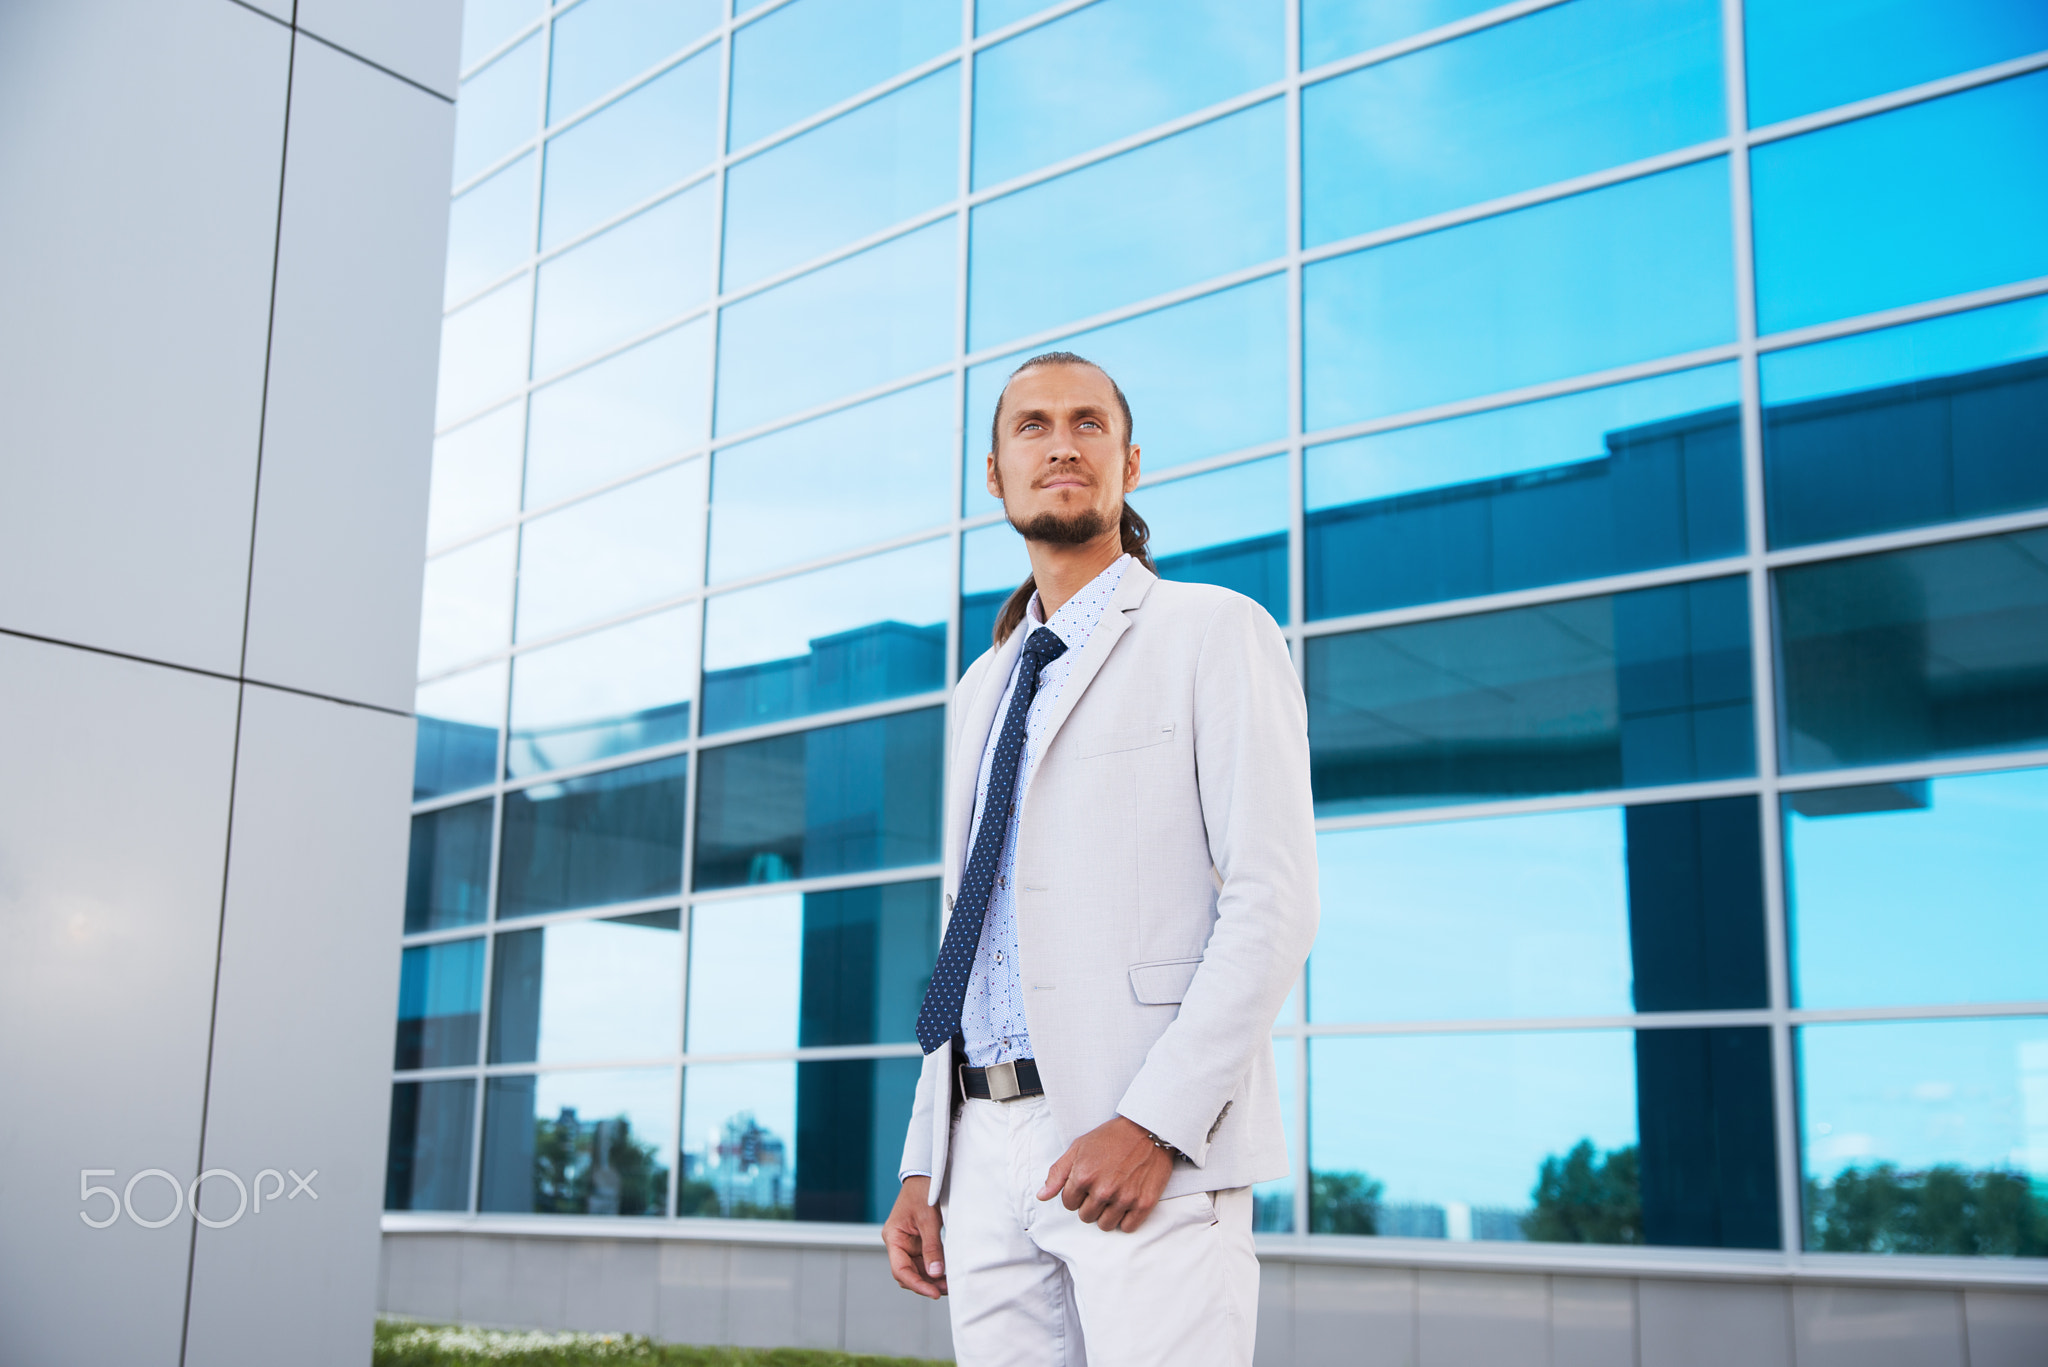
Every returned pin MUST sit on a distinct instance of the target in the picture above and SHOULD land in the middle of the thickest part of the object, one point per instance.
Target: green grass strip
(404, 1343)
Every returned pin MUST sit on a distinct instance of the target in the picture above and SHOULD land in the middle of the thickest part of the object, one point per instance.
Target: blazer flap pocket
(1163, 983)
(1125, 738)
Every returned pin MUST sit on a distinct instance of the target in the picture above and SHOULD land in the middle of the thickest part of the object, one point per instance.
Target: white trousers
(1031, 1285)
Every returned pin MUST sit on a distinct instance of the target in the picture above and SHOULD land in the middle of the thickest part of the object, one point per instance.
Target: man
(1130, 876)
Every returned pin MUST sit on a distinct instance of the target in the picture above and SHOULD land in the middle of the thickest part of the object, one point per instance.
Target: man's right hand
(912, 1235)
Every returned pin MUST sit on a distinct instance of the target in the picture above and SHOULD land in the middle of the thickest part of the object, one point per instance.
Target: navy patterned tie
(939, 1019)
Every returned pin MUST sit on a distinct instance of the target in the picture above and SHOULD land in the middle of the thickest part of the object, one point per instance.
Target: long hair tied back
(1135, 535)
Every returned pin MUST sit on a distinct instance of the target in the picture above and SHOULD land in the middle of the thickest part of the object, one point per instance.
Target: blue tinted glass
(487, 23)
(1273, 1201)
(1926, 1137)
(625, 280)
(1203, 378)
(456, 745)
(1227, 528)
(623, 414)
(614, 691)
(1168, 214)
(426, 1165)
(1600, 279)
(993, 563)
(632, 150)
(632, 547)
(440, 1004)
(448, 871)
(745, 1125)
(587, 1142)
(476, 476)
(841, 799)
(490, 230)
(1894, 890)
(1805, 55)
(817, 969)
(466, 603)
(483, 350)
(1599, 1137)
(838, 637)
(1337, 28)
(1940, 650)
(885, 162)
(1619, 691)
(1922, 202)
(1628, 477)
(1589, 913)
(858, 476)
(990, 15)
(584, 990)
(592, 841)
(847, 327)
(601, 43)
(1556, 94)
(812, 54)
(497, 109)
(1112, 69)
(1909, 425)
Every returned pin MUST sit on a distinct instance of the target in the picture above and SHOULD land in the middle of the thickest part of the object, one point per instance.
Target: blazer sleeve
(1252, 771)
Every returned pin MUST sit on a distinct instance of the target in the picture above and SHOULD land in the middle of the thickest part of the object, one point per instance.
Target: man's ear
(995, 476)
(1131, 469)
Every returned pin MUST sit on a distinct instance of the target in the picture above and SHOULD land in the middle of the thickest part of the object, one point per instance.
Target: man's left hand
(1113, 1175)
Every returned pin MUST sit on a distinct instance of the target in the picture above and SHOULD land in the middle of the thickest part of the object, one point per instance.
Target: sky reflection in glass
(631, 150)
(623, 414)
(601, 43)
(487, 23)
(1228, 528)
(1555, 94)
(466, 603)
(588, 990)
(1337, 28)
(456, 744)
(812, 54)
(739, 1140)
(993, 562)
(625, 280)
(627, 548)
(476, 476)
(746, 968)
(497, 109)
(490, 230)
(625, 688)
(483, 350)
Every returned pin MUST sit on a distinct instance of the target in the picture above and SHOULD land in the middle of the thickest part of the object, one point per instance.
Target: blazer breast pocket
(1123, 739)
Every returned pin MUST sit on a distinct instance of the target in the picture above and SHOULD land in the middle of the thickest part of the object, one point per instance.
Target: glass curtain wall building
(1634, 411)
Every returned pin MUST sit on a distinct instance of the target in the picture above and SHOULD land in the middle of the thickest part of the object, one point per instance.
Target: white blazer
(1166, 879)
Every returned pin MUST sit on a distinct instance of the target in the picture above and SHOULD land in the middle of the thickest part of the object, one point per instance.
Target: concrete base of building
(1319, 1304)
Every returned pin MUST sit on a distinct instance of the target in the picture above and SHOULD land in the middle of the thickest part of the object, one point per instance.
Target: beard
(1071, 529)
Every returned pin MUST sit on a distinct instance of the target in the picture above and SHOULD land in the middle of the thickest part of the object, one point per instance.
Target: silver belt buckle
(1001, 1079)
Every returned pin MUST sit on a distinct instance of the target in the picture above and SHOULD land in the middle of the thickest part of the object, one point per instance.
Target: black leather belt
(1002, 1081)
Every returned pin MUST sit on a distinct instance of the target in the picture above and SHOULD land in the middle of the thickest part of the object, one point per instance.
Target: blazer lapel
(1137, 582)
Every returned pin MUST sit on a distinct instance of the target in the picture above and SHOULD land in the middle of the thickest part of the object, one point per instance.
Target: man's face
(1061, 467)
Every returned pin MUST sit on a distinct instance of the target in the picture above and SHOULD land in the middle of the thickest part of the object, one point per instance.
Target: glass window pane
(487, 23)
(1273, 1201)
(579, 1143)
(456, 745)
(1940, 650)
(490, 230)
(626, 688)
(448, 871)
(1559, 93)
(1112, 69)
(1628, 477)
(1907, 426)
(1894, 891)
(886, 161)
(636, 148)
(587, 990)
(993, 562)
(810, 55)
(839, 637)
(1600, 279)
(623, 414)
(990, 15)
(1153, 219)
(1587, 913)
(601, 43)
(853, 325)
(1596, 1137)
(595, 840)
(1337, 28)
(466, 603)
(1619, 691)
(426, 1164)
(624, 549)
(841, 799)
(476, 475)
(1203, 377)
(746, 973)
(861, 475)
(1919, 203)
(1805, 55)
(483, 350)
(440, 1004)
(625, 280)
(744, 1125)
(1227, 528)
(497, 109)
(1927, 1137)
